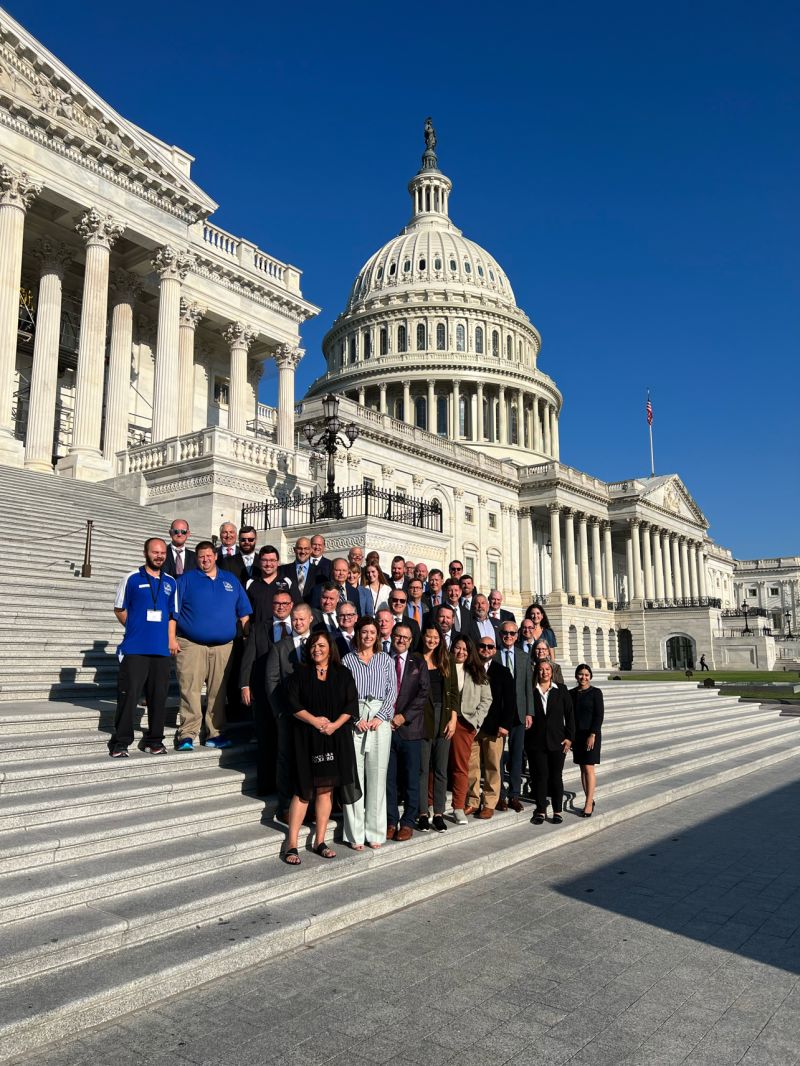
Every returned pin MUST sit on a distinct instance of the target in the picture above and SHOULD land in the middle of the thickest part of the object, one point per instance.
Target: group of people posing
(381, 692)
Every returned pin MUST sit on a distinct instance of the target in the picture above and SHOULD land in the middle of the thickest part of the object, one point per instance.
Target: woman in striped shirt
(376, 684)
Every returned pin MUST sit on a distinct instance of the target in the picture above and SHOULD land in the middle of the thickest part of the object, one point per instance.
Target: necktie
(287, 629)
(331, 622)
(178, 564)
(398, 665)
(510, 661)
(386, 646)
(301, 577)
(342, 594)
(229, 552)
(416, 615)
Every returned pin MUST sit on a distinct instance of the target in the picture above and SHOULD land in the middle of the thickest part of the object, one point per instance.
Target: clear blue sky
(634, 168)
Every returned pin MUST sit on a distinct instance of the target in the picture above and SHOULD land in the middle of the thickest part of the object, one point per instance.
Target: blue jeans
(404, 760)
(511, 765)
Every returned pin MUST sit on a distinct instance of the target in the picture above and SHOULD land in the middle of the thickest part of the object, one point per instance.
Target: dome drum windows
(402, 339)
(467, 267)
(479, 340)
(422, 339)
(383, 341)
(495, 342)
(367, 342)
(441, 337)
(406, 266)
(461, 338)
(437, 263)
(392, 269)
(453, 265)
(352, 349)
(421, 265)
(509, 347)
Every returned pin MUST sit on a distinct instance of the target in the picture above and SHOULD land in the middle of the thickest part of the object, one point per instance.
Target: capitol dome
(432, 336)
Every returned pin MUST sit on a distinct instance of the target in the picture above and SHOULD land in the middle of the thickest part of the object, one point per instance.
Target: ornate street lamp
(745, 609)
(329, 439)
(788, 616)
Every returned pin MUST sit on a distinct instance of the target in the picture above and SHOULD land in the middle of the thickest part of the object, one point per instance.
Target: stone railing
(248, 255)
(431, 357)
(785, 562)
(206, 443)
(539, 471)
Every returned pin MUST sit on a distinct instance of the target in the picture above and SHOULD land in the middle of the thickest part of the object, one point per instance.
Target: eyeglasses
(486, 647)
(179, 532)
(400, 638)
(508, 633)
(456, 569)
(247, 540)
(343, 615)
(397, 599)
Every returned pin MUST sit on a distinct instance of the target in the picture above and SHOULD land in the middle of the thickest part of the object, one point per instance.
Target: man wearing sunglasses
(398, 605)
(518, 663)
(492, 734)
(179, 557)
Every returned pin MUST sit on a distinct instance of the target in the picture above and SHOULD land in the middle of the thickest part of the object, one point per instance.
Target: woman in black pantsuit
(587, 703)
(549, 734)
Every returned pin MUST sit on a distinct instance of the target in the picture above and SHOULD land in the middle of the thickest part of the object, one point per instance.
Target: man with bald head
(300, 572)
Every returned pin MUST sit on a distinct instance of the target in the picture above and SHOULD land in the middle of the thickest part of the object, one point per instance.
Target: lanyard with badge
(154, 615)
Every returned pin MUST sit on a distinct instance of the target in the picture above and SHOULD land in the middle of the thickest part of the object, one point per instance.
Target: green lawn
(716, 675)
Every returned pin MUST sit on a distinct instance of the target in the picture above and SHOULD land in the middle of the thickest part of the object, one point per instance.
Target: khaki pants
(489, 749)
(196, 665)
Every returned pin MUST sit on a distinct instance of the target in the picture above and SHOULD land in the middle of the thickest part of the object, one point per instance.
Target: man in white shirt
(468, 592)
(385, 622)
(346, 617)
(496, 612)
(485, 625)
(179, 557)
(421, 572)
(398, 573)
(328, 602)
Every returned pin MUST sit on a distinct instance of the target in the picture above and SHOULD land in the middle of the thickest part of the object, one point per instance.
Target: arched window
(453, 265)
(401, 338)
(441, 416)
(406, 266)
(422, 264)
(437, 263)
(421, 412)
(440, 337)
(467, 266)
(479, 340)
(495, 342)
(384, 341)
(421, 340)
(352, 349)
(367, 345)
(461, 338)
(509, 347)
(380, 273)
(392, 270)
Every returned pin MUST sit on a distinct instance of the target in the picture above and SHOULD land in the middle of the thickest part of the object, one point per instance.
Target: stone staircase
(57, 630)
(123, 883)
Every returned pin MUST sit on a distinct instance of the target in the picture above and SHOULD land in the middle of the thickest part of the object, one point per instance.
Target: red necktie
(398, 665)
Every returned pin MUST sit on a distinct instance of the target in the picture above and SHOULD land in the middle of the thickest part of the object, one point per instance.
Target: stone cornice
(278, 301)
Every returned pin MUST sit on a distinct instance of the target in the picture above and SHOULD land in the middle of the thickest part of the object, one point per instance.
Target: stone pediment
(670, 494)
(43, 99)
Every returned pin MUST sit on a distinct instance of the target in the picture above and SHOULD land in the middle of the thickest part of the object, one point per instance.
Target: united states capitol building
(134, 332)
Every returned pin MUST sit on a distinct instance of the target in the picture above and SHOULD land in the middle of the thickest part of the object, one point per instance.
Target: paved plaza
(670, 938)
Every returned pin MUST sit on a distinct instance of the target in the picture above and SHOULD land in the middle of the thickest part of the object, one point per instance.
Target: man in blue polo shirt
(208, 604)
(143, 604)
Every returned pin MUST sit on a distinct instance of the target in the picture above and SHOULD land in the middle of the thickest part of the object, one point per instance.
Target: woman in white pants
(376, 684)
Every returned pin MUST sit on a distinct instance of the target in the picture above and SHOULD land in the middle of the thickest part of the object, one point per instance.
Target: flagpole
(649, 410)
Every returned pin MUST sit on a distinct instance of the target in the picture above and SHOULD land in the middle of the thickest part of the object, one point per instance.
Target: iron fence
(359, 501)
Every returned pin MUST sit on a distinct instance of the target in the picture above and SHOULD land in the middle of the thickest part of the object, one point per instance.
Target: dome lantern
(429, 188)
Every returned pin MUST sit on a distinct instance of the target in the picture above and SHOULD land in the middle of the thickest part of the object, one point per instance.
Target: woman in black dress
(588, 704)
(441, 712)
(549, 733)
(322, 696)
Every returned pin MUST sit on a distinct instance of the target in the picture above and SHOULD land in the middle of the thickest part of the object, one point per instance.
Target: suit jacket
(235, 564)
(343, 646)
(257, 646)
(321, 569)
(316, 594)
(415, 630)
(502, 713)
(505, 616)
(551, 728)
(189, 561)
(282, 662)
(412, 697)
(423, 613)
(467, 627)
(523, 682)
(313, 578)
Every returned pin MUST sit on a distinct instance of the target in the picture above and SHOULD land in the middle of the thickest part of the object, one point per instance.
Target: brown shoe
(391, 832)
(485, 813)
(515, 805)
(501, 805)
(404, 832)
(469, 810)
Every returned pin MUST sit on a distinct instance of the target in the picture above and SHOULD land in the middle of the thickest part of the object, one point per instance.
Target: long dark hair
(333, 651)
(545, 619)
(473, 666)
(440, 655)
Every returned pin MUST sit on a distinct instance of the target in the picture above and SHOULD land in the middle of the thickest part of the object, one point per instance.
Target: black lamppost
(745, 609)
(788, 617)
(329, 440)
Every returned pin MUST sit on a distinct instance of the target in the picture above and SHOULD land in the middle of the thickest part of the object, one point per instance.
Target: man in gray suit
(282, 662)
(510, 655)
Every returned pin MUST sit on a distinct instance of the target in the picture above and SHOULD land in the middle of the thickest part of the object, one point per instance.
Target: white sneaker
(459, 817)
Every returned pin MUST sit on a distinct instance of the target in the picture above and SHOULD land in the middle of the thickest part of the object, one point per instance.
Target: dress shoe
(405, 832)
(439, 823)
(391, 832)
(469, 810)
(515, 805)
(423, 823)
(557, 819)
(501, 805)
(485, 813)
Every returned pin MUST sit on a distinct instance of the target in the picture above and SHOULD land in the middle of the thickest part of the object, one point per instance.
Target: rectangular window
(221, 391)
(469, 514)
(470, 565)
(774, 591)
(492, 520)
(752, 592)
(493, 582)
(369, 484)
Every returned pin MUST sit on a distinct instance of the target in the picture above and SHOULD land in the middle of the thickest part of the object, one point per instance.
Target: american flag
(649, 410)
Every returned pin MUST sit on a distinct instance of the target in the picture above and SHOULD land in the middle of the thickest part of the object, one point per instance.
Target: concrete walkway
(672, 937)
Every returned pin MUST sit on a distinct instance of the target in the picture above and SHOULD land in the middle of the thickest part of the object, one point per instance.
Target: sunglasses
(179, 532)
(486, 647)
(507, 633)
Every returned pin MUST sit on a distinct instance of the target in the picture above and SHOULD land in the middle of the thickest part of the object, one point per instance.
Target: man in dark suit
(468, 593)
(328, 602)
(346, 616)
(321, 565)
(301, 571)
(179, 557)
(407, 728)
(417, 606)
(398, 603)
(443, 616)
(282, 661)
(435, 584)
(344, 590)
(463, 620)
(496, 612)
(492, 734)
(485, 625)
(397, 573)
(518, 663)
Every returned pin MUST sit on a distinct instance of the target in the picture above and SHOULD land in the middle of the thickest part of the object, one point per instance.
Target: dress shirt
(375, 680)
(348, 637)
(466, 603)
(248, 560)
(485, 628)
(544, 695)
(299, 642)
(507, 656)
(228, 551)
(280, 630)
(412, 608)
(330, 622)
(386, 645)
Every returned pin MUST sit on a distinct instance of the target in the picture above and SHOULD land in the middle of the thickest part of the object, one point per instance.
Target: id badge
(154, 616)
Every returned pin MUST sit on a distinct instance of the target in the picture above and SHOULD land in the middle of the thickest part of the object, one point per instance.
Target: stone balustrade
(212, 441)
(245, 253)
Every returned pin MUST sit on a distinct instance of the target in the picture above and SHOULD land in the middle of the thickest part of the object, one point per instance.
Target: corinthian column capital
(288, 357)
(191, 314)
(54, 257)
(168, 262)
(99, 229)
(239, 335)
(17, 188)
(125, 286)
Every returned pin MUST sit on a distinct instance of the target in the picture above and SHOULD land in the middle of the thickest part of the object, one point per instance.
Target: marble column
(629, 564)
(692, 552)
(676, 568)
(479, 412)
(190, 317)
(520, 418)
(431, 410)
(287, 359)
(548, 444)
(54, 258)
(685, 579)
(669, 591)
(701, 571)
(569, 547)
(554, 435)
(408, 413)
(526, 565)
(361, 395)
(172, 267)
(537, 426)
(555, 545)
(647, 562)
(502, 435)
(597, 570)
(658, 564)
(84, 459)
(382, 397)
(583, 544)
(638, 591)
(455, 406)
(125, 288)
(608, 560)
(239, 337)
(17, 192)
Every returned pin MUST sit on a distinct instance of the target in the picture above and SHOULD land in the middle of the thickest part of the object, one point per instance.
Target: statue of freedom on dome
(430, 135)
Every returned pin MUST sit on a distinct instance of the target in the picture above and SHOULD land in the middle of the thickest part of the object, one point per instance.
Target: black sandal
(557, 819)
(324, 851)
(538, 818)
(291, 857)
